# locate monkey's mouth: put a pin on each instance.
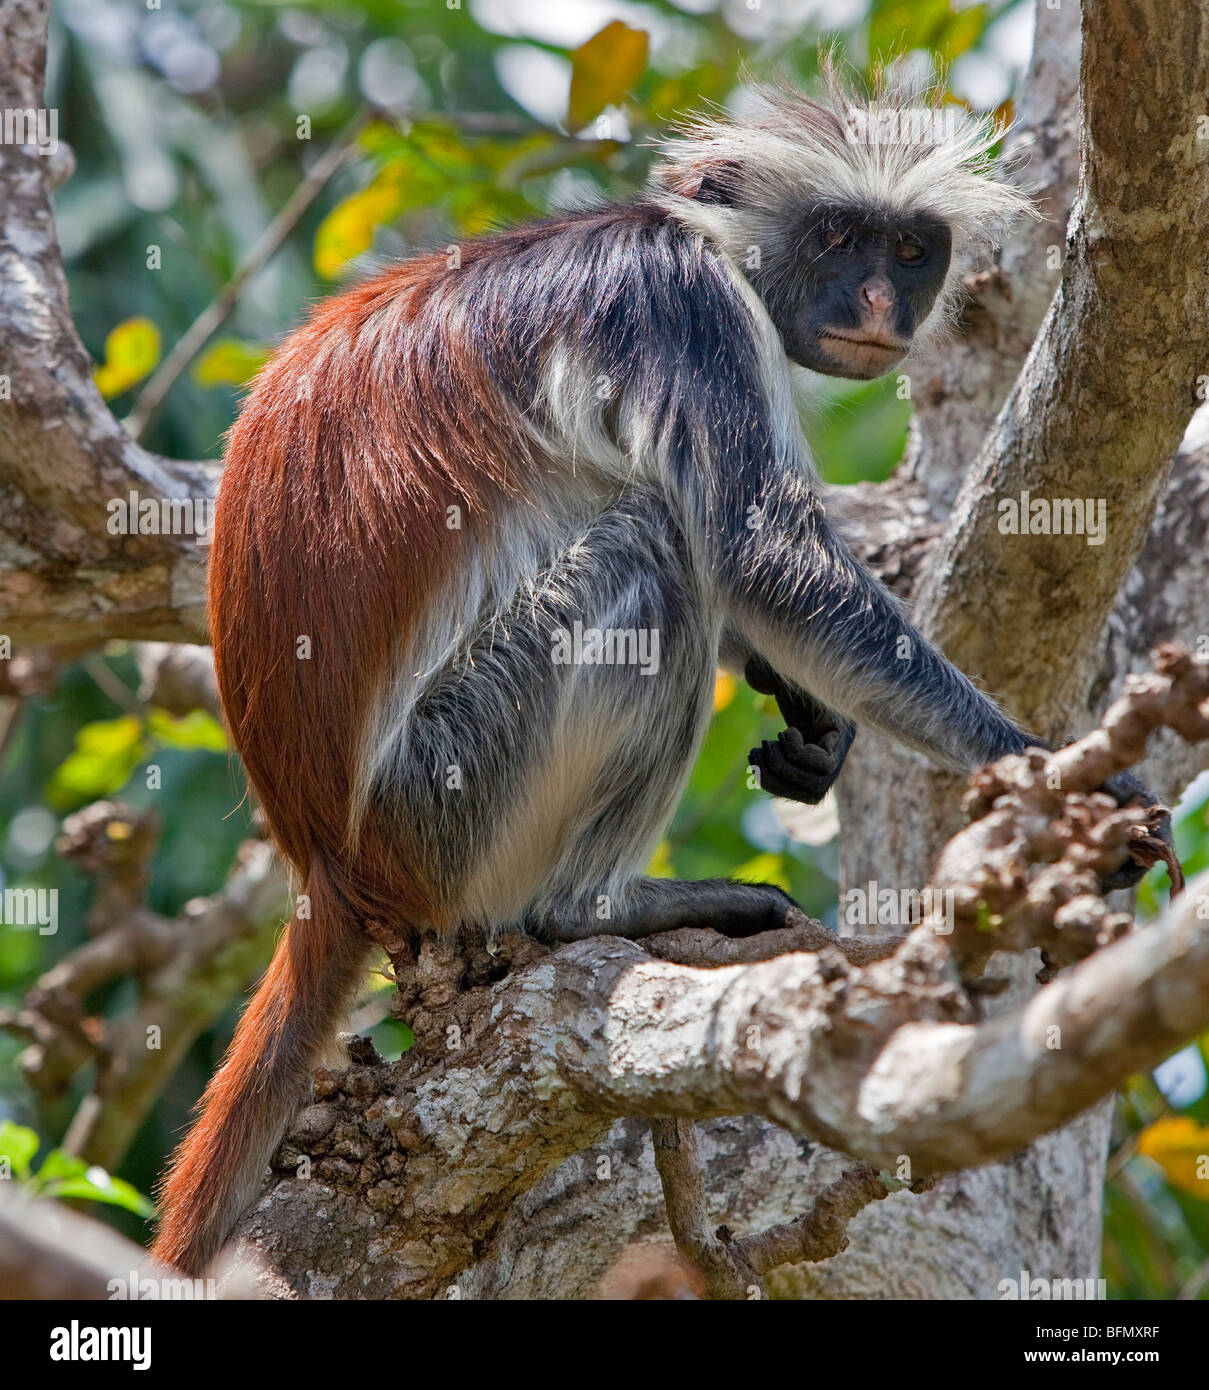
(860, 356)
(887, 347)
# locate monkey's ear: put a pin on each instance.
(716, 183)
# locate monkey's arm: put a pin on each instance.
(707, 412)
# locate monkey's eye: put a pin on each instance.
(836, 238)
(910, 252)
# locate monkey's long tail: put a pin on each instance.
(251, 1099)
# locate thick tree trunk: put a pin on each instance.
(1091, 417)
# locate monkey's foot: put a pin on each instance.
(1154, 846)
(756, 908)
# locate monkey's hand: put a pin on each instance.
(789, 766)
(1128, 790)
(805, 759)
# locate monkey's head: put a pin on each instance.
(865, 278)
(853, 221)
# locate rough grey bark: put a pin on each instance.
(1116, 368)
(394, 1180)
(1046, 622)
(63, 576)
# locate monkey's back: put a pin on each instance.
(408, 401)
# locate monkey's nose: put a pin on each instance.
(879, 296)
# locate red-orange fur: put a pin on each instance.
(331, 525)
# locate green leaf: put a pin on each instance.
(898, 26)
(58, 1166)
(105, 755)
(420, 175)
(96, 1185)
(764, 868)
(661, 865)
(18, 1145)
(348, 230)
(859, 431)
(604, 69)
(962, 32)
(392, 1037)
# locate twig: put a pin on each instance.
(219, 309)
(109, 684)
(185, 969)
(701, 946)
(822, 1231)
(734, 1269)
(680, 1172)
(1045, 807)
(10, 716)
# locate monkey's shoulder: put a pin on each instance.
(624, 278)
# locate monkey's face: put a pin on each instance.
(854, 288)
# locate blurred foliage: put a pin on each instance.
(1156, 1211)
(61, 1175)
(131, 350)
(192, 126)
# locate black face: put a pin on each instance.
(848, 293)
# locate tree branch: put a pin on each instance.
(185, 971)
(1117, 364)
(522, 1056)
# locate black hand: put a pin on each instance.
(803, 762)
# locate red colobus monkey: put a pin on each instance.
(453, 471)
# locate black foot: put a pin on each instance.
(1128, 790)
(756, 908)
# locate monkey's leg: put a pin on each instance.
(650, 905)
(531, 784)
(804, 760)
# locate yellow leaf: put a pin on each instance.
(724, 690)
(604, 69)
(1181, 1148)
(661, 861)
(131, 350)
(764, 868)
(229, 362)
(348, 230)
